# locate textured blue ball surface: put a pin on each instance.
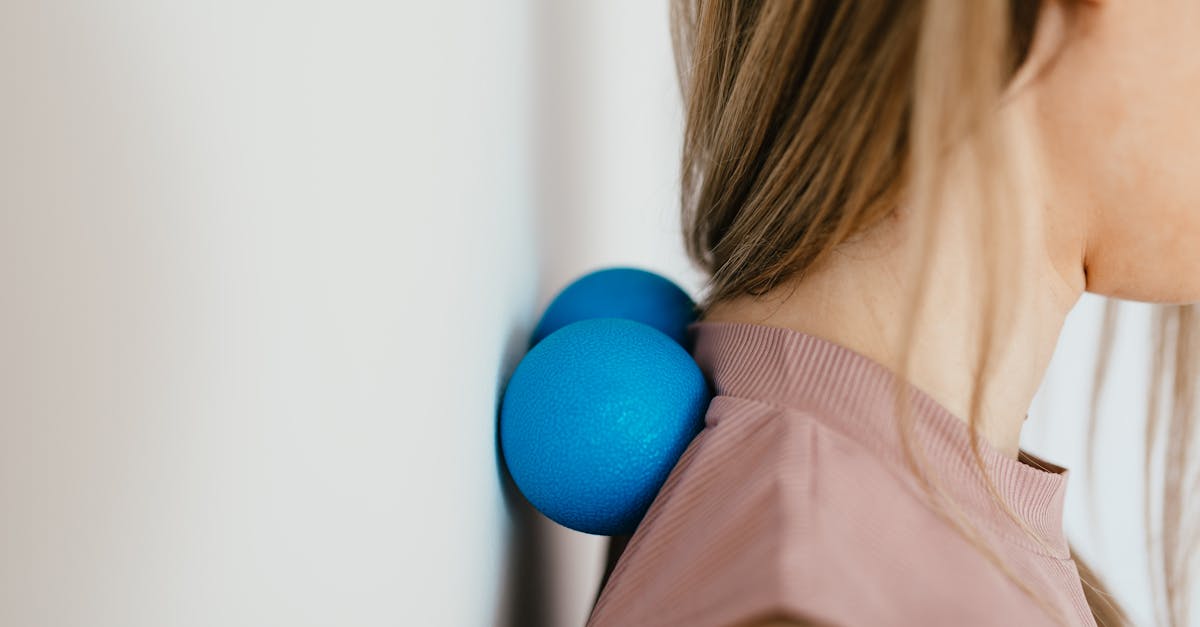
(628, 293)
(595, 417)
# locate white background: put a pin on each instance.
(264, 267)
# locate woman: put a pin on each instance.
(898, 202)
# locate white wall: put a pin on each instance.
(264, 267)
(262, 263)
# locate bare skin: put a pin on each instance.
(858, 299)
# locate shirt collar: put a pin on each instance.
(854, 394)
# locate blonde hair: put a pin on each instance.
(810, 121)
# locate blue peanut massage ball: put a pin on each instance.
(595, 417)
(629, 293)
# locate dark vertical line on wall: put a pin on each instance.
(523, 598)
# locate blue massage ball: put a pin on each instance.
(628, 293)
(595, 417)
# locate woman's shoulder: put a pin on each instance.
(773, 511)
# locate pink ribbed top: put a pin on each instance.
(794, 501)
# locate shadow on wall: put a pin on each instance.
(526, 596)
(539, 561)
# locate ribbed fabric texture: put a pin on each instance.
(794, 501)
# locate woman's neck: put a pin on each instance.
(859, 297)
